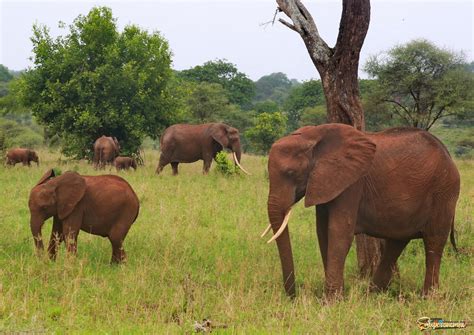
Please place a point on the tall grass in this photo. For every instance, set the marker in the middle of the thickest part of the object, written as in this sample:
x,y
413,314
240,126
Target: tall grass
x,y
194,252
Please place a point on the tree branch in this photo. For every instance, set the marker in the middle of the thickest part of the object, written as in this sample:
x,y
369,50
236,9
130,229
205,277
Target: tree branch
x,y
303,23
289,25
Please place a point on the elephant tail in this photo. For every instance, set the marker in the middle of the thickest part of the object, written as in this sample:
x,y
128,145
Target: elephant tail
x,y
452,238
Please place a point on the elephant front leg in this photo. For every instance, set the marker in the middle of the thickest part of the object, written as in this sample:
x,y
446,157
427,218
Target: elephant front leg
x,y
342,216
322,232
206,165
56,238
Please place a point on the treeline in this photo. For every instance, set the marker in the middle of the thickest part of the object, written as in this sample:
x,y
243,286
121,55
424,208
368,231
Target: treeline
x,y
98,81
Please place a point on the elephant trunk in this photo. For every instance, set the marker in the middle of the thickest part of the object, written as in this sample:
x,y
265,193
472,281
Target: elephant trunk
x,y
36,224
238,152
277,216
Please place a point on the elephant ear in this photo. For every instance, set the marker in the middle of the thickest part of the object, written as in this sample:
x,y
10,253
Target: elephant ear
x,y
48,174
341,157
219,134
70,189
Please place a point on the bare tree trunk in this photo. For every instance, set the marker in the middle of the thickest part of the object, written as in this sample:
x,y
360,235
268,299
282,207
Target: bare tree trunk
x,y
338,68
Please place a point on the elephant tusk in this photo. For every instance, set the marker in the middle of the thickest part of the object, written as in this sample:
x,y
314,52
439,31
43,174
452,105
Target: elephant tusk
x,y
238,164
266,231
282,227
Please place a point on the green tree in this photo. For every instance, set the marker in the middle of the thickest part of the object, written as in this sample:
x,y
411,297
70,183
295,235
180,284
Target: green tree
x,y
239,89
97,81
274,87
421,82
308,94
313,116
207,101
267,106
268,128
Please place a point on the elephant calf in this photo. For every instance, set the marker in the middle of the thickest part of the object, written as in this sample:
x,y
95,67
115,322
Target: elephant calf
x,y
101,205
20,155
125,163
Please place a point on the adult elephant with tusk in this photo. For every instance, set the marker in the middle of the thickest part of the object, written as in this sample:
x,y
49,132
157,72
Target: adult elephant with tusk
x,y
399,184
185,143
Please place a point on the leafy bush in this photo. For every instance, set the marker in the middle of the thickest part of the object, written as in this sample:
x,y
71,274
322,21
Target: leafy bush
x,y
224,165
17,135
268,128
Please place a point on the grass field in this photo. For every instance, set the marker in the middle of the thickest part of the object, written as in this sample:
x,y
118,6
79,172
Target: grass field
x,y
194,252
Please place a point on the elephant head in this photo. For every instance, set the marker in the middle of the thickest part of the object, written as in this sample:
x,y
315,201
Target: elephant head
x,y
228,137
54,196
315,162
32,156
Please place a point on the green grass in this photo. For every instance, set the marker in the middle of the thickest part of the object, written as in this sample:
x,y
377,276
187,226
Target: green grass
x,y
194,252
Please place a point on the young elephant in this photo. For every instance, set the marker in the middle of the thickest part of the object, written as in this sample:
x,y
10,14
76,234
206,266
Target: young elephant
x,y
125,163
20,155
101,205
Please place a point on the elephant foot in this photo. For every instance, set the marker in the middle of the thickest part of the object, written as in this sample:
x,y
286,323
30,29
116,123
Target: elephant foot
x,y
333,294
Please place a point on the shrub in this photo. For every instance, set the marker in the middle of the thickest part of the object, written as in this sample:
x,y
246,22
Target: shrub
x,y
224,165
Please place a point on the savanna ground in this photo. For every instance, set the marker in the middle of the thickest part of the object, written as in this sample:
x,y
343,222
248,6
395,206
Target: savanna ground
x,y
194,252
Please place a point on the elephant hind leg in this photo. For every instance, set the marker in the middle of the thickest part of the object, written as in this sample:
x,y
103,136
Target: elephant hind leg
x,y
162,163
388,264
116,238
174,166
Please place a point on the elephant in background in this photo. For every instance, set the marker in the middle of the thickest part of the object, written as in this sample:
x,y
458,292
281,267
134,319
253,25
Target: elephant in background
x,y
105,151
125,163
20,155
399,184
184,143
101,205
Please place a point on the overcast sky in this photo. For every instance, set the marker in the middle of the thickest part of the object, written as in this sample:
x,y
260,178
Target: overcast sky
x,y
199,31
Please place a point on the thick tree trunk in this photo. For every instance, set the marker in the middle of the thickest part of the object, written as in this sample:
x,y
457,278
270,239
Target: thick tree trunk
x,y
338,68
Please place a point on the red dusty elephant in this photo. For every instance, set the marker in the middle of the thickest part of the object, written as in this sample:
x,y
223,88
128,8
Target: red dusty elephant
x,y
105,151
125,163
399,184
20,155
185,143
103,205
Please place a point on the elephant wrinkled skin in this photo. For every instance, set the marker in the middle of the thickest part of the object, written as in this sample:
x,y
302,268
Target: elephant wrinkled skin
x,y
100,205
184,143
399,184
20,155
105,151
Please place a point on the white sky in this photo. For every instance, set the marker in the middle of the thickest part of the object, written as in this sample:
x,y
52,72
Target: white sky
x,y
199,31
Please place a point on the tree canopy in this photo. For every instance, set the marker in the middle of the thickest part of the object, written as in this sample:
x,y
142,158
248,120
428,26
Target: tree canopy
x,y
421,82
239,88
98,81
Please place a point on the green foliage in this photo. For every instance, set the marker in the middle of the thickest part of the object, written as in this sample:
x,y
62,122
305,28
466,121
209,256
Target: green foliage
x,y
308,94
313,116
97,81
274,87
206,101
267,106
239,89
5,74
268,128
421,82
225,166
17,135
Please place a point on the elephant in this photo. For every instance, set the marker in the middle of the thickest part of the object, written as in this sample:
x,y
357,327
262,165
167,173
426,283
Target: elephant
x,y
185,143
105,151
399,184
125,163
25,156
103,205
